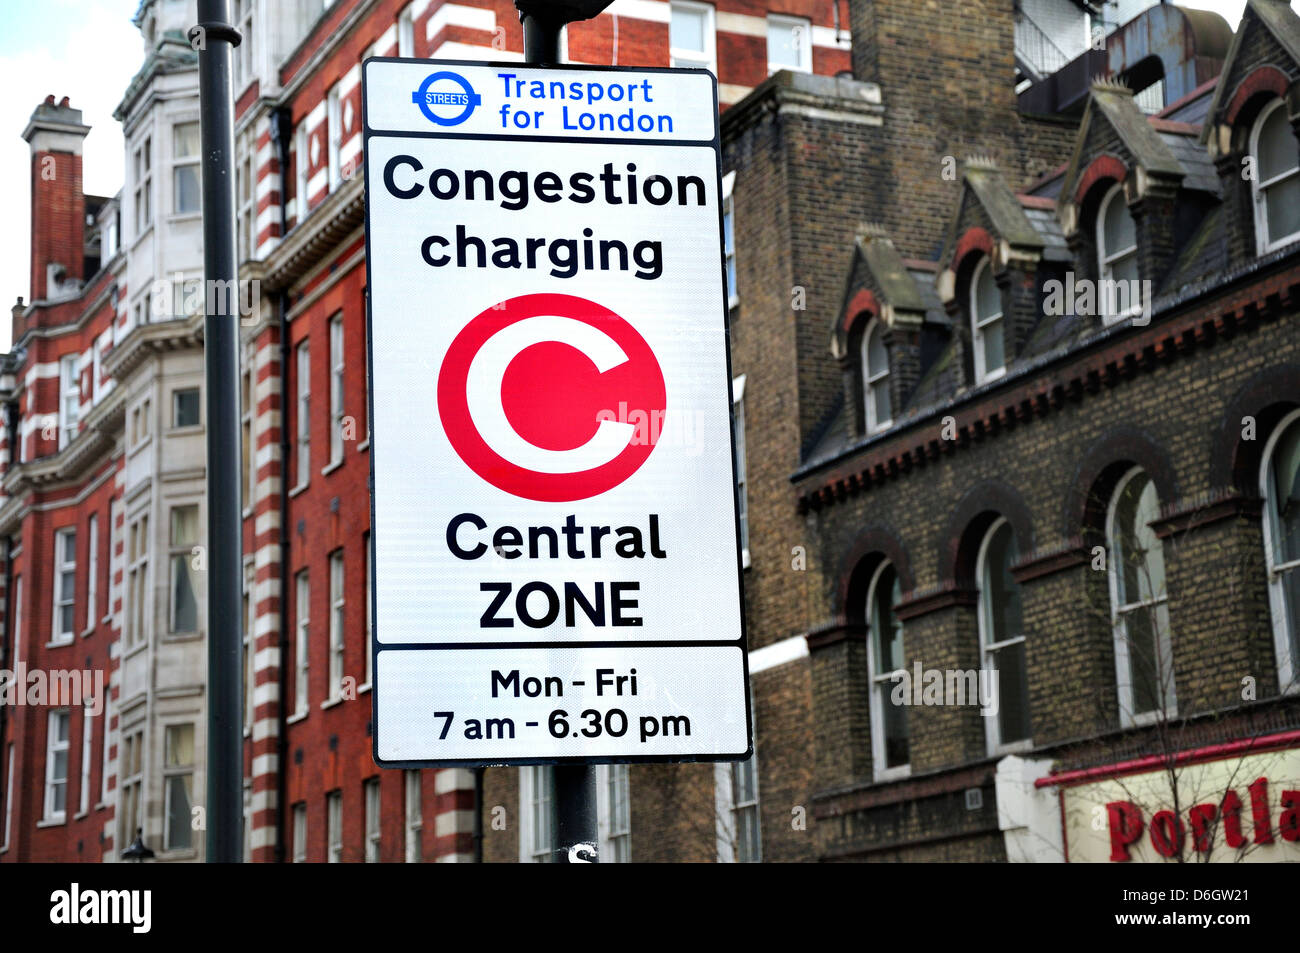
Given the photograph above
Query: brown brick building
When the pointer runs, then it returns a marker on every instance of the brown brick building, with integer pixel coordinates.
(1020, 399)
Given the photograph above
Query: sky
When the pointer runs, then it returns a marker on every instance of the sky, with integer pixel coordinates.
(88, 51)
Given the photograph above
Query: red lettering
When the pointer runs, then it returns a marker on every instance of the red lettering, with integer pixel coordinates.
(1289, 823)
(1231, 812)
(1202, 818)
(1125, 828)
(1259, 811)
(1167, 834)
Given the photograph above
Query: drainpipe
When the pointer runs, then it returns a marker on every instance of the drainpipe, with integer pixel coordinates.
(281, 131)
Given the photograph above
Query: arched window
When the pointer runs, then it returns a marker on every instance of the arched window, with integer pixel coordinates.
(1002, 638)
(1144, 664)
(1117, 260)
(1276, 184)
(986, 324)
(1280, 486)
(884, 659)
(875, 378)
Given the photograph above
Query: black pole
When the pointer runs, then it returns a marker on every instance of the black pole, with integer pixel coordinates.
(576, 836)
(215, 38)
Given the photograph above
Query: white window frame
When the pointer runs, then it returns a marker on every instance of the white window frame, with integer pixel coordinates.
(62, 597)
(92, 570)
(871, 380)
(180, 162)
(244, 66)
(302, 644)
(1284, 641)
(184, 552)
(1124, 686)
(69, 398)
(334, 827)
(414, 808)
(302, 158)
(246, 196)
(1264, 243)
(992, 728)
(338, 597)
(978, 322)
(131, 799)
(250, 670)
(138, 605)
(171, 771)
(729, 238)
(9, 796)
(303, 425)
(18, 623)
(334, 137)
(406, 32)
(142, 193)
(300, 833)
(726, 808)
(337, 363)
(374, 821)
(53, 746)
(368, 654)
(615, 824)
(699, 59)
(87, 735)
(881, 685)
(801, 30)
(536, 791)
(247, 437)
(1108, 258)
(742, 467)
(104, 750)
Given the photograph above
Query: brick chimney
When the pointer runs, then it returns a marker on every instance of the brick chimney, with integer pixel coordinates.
(55, 135)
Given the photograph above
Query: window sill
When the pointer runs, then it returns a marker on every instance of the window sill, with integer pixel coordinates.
(184, 431)
(362, 689)
(136, 649)
(172, 637)
(175, 217)
(81, 815)
(61, 643)
(363, 446)
(330, 468)
(88, 631)
(178, 853)
(247, 513)
(332, 702)
(298, 489)
(886, 775)
(51, 822)
(1013, 747)
(295, 718)
(744, 559)
(107, 620)
(100, 806)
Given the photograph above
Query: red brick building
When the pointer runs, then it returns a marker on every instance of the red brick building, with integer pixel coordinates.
(101, 461)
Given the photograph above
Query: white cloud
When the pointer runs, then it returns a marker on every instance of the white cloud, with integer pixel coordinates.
(87, 52)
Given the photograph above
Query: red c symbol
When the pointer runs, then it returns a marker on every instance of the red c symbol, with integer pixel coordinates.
(551, 397)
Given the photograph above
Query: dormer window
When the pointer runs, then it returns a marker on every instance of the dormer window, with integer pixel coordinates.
(1277, 179)
(875, 378)
(1117, 259)
(986, 324)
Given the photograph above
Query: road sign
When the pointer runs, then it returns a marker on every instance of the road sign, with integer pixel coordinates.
(556, 561)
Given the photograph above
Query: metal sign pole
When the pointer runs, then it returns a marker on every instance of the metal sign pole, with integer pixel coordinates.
(576, 835)
(215, 38)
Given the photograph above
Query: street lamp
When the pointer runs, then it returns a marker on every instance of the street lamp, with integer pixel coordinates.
(138, 851)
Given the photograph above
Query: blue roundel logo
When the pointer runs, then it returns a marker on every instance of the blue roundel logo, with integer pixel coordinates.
(444, 105)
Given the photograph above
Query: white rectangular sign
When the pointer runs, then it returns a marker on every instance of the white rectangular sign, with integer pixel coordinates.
(556, 566)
